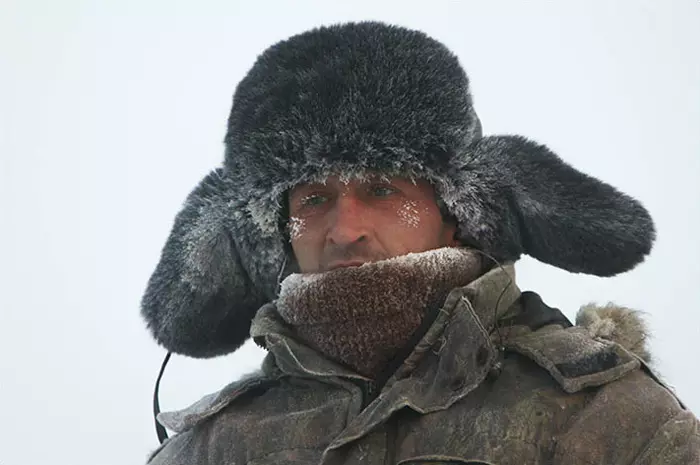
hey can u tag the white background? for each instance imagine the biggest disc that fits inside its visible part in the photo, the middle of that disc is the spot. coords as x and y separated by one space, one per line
111 112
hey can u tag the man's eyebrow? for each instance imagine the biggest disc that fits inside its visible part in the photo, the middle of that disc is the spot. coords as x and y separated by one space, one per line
396 180
307 187
307 184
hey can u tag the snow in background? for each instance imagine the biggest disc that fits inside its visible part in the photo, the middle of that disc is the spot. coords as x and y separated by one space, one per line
111 111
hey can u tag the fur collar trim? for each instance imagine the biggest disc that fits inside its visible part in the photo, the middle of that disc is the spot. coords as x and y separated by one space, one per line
617 324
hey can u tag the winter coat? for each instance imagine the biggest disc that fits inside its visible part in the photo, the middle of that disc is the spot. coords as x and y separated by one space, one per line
516 385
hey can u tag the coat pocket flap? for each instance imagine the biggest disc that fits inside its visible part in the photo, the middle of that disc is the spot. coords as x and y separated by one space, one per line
574 358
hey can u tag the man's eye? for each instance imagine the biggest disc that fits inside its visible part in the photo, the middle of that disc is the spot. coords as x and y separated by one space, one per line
313 200
382 191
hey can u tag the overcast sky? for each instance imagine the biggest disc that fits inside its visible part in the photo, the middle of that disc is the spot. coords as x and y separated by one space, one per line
111 111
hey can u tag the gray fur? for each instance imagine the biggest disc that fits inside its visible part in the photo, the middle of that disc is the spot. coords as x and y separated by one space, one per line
199 298
347 100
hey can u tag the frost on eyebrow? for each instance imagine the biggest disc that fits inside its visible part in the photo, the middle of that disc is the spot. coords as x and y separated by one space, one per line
297 226
409 214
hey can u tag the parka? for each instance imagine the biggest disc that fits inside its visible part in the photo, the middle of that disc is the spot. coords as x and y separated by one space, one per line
499 377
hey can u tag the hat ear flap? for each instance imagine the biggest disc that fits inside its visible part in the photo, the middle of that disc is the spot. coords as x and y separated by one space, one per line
200 300
532 202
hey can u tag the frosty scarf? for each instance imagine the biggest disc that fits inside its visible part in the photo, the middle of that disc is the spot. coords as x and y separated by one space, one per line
363 316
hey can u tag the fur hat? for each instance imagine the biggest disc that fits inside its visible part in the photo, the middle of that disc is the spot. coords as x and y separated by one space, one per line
347 100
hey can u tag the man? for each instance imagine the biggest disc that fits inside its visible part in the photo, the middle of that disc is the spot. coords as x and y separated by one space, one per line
363 231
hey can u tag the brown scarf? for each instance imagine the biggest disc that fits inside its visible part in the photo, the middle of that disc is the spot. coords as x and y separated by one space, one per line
362 316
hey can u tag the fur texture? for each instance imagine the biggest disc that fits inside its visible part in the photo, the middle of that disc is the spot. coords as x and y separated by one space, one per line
617 324
347 100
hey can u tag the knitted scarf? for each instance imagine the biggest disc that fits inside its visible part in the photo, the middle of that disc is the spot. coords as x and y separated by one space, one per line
363 316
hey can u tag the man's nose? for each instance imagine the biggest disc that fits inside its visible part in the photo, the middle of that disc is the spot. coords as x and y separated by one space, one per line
348 222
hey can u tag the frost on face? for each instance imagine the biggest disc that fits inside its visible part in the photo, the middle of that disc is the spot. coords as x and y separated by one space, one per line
409 214
297 226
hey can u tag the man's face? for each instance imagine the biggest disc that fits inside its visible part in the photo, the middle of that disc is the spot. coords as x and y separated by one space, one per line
346 224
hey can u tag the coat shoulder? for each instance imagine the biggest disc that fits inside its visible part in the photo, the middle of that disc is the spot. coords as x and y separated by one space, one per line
258 416
637 408
605 356
193 425
208 406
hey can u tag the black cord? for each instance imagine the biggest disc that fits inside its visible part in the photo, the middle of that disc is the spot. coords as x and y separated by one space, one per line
160 430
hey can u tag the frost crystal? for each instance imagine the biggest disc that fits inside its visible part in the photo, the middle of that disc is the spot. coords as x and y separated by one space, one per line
409 213
296 227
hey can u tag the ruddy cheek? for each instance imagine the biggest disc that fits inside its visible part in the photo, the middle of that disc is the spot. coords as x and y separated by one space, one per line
297 227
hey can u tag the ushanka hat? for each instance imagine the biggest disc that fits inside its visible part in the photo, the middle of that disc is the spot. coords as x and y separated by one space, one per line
348 100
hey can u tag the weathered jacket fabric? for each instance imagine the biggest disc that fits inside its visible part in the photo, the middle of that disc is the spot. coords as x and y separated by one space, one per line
499 378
